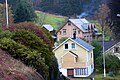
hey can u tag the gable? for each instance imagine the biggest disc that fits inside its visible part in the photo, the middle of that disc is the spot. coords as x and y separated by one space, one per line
66 25
70 53
68 58
69 40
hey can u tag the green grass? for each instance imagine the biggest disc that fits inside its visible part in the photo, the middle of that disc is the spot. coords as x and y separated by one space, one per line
100 77
55 21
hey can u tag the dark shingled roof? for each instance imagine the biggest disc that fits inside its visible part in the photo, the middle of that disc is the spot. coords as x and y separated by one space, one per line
108 44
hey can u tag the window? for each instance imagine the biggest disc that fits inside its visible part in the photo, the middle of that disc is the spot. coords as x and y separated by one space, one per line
74 30
66 46
64 31
91 55
69 23
116 49
80 71
73 45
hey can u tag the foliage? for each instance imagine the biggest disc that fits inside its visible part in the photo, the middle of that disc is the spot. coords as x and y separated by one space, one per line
112 64
36 46
26 55
53 69
114 19
3 15
31 27
70 7
97 51
64 7
55 21
102 15
23 11
62 40
30 40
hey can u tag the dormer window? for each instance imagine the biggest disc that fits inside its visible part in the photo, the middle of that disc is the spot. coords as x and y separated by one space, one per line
69 23
66 46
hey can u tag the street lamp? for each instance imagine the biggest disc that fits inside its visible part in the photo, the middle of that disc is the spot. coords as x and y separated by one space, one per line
118 15
7 13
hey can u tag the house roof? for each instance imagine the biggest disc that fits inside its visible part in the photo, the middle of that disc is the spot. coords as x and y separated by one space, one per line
83 43
48 27
78 41
82 24
108 44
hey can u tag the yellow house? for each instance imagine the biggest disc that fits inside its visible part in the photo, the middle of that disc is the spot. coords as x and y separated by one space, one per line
75 57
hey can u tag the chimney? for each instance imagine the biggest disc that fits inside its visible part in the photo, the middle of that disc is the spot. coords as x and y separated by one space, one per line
74 35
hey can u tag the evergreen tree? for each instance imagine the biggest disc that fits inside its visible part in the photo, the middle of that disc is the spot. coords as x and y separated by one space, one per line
70 7
24 11
115 9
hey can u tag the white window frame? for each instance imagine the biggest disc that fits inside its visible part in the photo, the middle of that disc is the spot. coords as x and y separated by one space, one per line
64 31
64 46
72 47
80 71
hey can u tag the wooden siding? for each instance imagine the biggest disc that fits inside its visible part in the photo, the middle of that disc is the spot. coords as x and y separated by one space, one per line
69 32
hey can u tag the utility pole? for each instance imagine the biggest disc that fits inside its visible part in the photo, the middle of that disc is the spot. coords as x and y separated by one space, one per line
7 14
103 52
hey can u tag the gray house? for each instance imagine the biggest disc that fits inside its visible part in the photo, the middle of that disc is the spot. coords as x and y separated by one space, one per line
112 47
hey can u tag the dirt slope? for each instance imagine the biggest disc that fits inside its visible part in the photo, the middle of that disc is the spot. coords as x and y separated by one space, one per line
12 69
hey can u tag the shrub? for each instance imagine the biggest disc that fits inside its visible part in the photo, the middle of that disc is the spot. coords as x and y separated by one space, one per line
26 55
112 64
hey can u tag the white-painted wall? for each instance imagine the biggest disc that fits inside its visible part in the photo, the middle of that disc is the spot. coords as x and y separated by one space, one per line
64 71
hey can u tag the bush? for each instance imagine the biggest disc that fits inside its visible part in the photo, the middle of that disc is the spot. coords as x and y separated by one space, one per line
31 45
112 64
26 55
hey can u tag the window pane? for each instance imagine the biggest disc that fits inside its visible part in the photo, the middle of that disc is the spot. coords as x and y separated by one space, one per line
66 46
64 31
74 30
73 45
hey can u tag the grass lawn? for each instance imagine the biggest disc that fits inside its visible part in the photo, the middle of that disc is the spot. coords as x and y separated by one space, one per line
99 77
55 21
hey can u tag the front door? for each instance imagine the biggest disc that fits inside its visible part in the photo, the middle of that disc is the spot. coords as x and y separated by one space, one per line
70 72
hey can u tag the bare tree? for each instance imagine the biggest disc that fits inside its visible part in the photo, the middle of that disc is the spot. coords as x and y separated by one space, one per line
102 15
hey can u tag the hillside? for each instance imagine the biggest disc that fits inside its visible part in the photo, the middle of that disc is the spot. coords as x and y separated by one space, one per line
55 20
12 69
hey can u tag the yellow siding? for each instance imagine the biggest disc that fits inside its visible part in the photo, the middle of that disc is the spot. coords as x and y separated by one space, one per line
81 52
90 60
